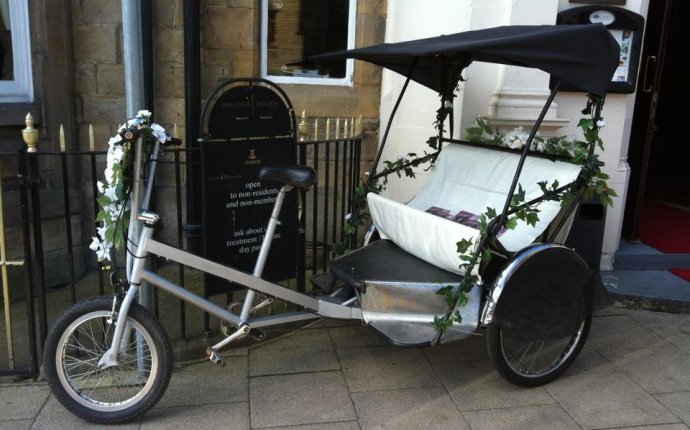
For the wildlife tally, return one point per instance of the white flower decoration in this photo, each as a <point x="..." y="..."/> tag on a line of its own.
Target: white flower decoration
<point x="114" y="207"/>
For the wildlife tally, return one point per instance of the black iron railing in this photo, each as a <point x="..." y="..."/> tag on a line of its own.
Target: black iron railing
<point x="326" y="204"/>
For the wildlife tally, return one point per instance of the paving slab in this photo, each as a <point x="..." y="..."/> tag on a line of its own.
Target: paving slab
<point x="16" y="425"/>
<point x="675" y="328"/>
<point x="411" y="409"/>
<point x="342" y="425"/>
<point x="207" y="383"/>
<point x="356" y="336"/>
<point x="386" y="368"/>
<point x="545" y="417"/>
<point x="55" y="416"/>
<point x="472" y="348"/>
<point x="233" y="416"/>
<point x="681" y="340"/>
<point x="662" y="323"/>
<point x="477" y="385"/>
<point x="658" y="369"/>
<point x="305" y="351"/>
<point x="589" y="360"/>
<point x="304" y="398"/>
<point x="678" y="403"/>
<point x="607" y="399"/>
<point x="620" y="332"/>
<point x="23" y="401"/>
<point x="657" y="427"/>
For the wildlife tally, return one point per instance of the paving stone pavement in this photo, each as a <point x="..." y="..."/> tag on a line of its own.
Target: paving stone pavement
<point x="634" y="373"/>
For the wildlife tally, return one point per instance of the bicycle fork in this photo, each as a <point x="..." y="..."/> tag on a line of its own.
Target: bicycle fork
<point x="109" y="358"/>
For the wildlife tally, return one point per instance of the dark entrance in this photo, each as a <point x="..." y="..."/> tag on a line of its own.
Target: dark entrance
<point x="659" y="152"/>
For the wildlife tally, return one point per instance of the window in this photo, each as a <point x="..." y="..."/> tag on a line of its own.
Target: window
<point x="15" y="53"/>
<point x="294" y="30"/>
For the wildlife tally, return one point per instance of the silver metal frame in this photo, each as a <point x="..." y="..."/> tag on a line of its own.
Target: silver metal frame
<point x="145" y="222"/>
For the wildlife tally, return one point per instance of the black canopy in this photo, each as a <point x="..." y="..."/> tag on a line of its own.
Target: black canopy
<point x="584" y="56"/>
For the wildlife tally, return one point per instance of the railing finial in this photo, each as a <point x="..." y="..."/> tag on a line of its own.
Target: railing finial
<point x="303" y="127"/>
<point x="30" y="134"/>
<point x="92" y="140"/>
<point x="63" y="144"/>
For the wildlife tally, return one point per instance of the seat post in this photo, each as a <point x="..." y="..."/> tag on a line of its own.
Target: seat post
<point x="265" y="248"/>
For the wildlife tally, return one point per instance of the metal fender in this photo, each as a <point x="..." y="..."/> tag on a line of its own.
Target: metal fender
<point x="557" y="263"/>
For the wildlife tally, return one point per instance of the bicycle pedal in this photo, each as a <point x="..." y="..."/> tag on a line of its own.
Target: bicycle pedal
<point x="257" y="334"/>
<point x="215" y="357"/>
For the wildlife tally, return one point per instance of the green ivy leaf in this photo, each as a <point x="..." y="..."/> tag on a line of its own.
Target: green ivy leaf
<point x="464" y="245"/>
<point x="532" y="219"/>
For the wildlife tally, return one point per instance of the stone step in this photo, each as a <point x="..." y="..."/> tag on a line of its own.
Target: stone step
<point x="657" y="290"/>
<point x="638" y="256"/>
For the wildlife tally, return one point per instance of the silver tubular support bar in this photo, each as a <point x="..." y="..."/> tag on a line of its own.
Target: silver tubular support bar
<point x="109" y="358"/>
<point x="134" y="224"/>
<point x="283" y="318"/>
<point x="230" y="274"/>
<point x="265" y="248"/>
<point x="190" y="297"/>
<point x="140" y="254"/>
<point x="146" y="201"/>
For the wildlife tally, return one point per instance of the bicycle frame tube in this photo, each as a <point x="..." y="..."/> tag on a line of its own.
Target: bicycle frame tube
<point x="265" y="248"/>
<point x="313" y="307"/>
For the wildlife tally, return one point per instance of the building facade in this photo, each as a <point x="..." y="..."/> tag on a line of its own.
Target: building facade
<point x="67" y="68"/>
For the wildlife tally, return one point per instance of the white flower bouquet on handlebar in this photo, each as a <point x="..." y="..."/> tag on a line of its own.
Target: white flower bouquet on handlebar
<point x="115" y="191"/>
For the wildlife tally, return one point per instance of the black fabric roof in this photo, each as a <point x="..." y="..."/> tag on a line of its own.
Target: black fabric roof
<point x="584" y="56"/>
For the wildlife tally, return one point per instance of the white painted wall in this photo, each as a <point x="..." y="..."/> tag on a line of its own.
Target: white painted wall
<point x="618" y="112"/>
<point x="413" y="123"/>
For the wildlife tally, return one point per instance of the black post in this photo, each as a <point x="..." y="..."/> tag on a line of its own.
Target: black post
<point x="25" y="178"/>
<point x="523" y="156"/>
<point x="192" y="96"/>
<point x="68" y="228"/>
<point x="35" y="184"/>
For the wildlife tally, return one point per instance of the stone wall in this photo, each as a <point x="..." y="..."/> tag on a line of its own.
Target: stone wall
<point x="79" y="82"/>
<point x="229" y="48"/>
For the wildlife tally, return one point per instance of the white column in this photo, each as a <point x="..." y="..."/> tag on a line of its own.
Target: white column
<point x="521" y="93"/>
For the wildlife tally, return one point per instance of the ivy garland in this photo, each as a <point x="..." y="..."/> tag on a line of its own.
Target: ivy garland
<point x="475" y="254"/>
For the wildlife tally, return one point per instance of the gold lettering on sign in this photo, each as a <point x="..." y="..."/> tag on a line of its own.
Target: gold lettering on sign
<point x="251" y="158"/>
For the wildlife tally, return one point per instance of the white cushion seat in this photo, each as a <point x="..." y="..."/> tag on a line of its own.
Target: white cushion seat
<point x="464" y="181"/>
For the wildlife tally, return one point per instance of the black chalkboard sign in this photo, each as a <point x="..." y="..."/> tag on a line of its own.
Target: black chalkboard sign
<point x="247" y="124"/>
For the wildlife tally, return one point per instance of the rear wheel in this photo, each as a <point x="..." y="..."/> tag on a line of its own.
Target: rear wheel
<point x="540" y="332"/>
<point x="114" y="394"/>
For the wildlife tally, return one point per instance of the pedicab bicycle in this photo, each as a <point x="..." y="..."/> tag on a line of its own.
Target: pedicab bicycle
<point x="447" y="264"/>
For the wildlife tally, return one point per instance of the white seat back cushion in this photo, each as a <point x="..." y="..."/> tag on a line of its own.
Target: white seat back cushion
<point x="466" y="178"/>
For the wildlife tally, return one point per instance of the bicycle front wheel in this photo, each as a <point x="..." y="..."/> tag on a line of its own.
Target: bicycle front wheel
<point x="114" y="394"/>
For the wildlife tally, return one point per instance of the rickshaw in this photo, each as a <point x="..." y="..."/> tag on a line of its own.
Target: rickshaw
<point x="108" y="359"/>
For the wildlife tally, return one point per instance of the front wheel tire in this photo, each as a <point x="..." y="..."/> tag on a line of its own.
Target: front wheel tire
<point x="118" y="393"/>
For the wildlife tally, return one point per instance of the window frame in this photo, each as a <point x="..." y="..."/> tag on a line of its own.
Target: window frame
<point x="20" y="89"/>
<point x="347" y="80"/>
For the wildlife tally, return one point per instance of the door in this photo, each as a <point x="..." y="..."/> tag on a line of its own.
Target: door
<point x="656" y="150"/>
